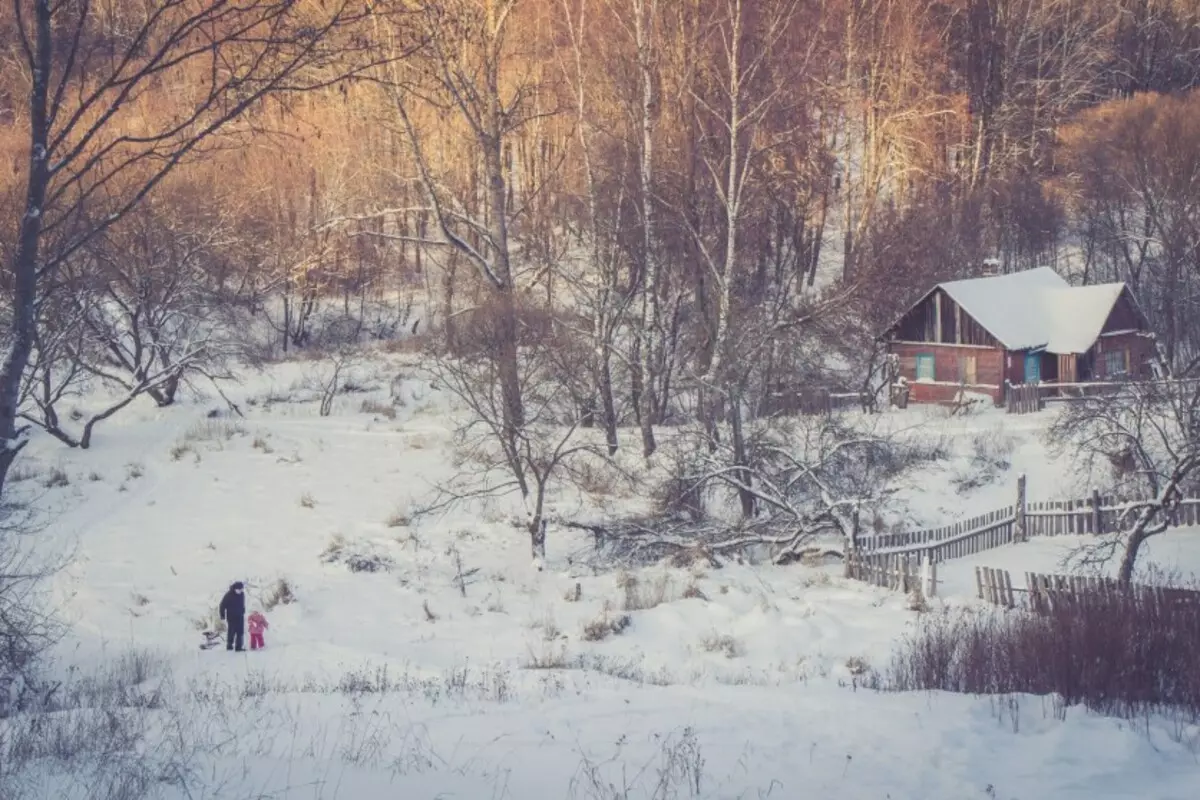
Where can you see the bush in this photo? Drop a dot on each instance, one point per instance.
(56, 478)
(605, 625)
(1104, 651)
(640, 596)
(278, 594)
(721, 643)
(991, 457)
(378, 409)
(356, 556)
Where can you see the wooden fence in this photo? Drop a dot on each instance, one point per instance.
(809, 402)
(902, 572)
(1017, 523)
(1025, 398)
(1045, 593)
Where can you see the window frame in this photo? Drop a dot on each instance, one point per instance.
(925, 358)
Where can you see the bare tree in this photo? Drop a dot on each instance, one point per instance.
(459, 67)
(1144, 441)
(96, 144)
(599, 285)
(549, 449)
(814, 479)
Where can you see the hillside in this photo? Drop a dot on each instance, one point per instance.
(738, 681)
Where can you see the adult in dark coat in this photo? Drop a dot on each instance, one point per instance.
(233, 611)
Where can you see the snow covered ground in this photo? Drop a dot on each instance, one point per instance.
(408, 682)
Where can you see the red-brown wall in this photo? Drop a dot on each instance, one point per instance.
(989, 370)
(1141, 351)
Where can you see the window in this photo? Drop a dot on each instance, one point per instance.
(967, 370)
(925, 370)
(1116, 363)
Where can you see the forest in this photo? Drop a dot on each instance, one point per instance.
(611, 213)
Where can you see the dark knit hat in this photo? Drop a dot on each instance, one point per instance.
(238, 585)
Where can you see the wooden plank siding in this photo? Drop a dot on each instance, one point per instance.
(952, 363)
(939, 320)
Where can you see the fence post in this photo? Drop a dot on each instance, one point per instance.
(848, 558)
(1097, 517)
(1020, 532)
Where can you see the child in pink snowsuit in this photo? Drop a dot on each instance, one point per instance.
(256, 623)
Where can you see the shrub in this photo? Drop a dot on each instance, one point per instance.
(641, 596)
(213, 429)
(56, 478)
(134, 470)
(23, 471)
(378, 409)
(307, 500)
(278, 594)
(548, 658)
(356, 556)
(606, 625)
(721, 643)
(991, 456)
(1104, 651)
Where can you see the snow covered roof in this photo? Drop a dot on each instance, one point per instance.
(1036, 309)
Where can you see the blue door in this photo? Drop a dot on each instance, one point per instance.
(1033, 367)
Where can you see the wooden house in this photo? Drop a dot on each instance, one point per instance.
(1023, 327)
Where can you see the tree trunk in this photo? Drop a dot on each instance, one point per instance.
(1129, 559)
(644, 12)
(25, 263)
(608, 403)
(741, 458)
(85, 441)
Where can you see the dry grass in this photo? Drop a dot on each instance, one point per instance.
(278, 594)
(378, 409)
(548, 626)
(398, 519)
(261, 443)
(692, 592)
(429, 615)
(56, 478)
(721, 643)
(548, 658)
(213, 429)
(642, 595)
(1107, 652)
(24, 471)
(606, 625)
(134, 470)
(307, 500)
(857, 666)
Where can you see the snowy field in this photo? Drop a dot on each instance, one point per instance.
(411, 682)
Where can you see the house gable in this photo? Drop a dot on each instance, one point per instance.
(938, 319)
(1124, 316)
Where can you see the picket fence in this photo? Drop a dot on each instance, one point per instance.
(901, 572)
(1045, 593)
(1020, 521)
